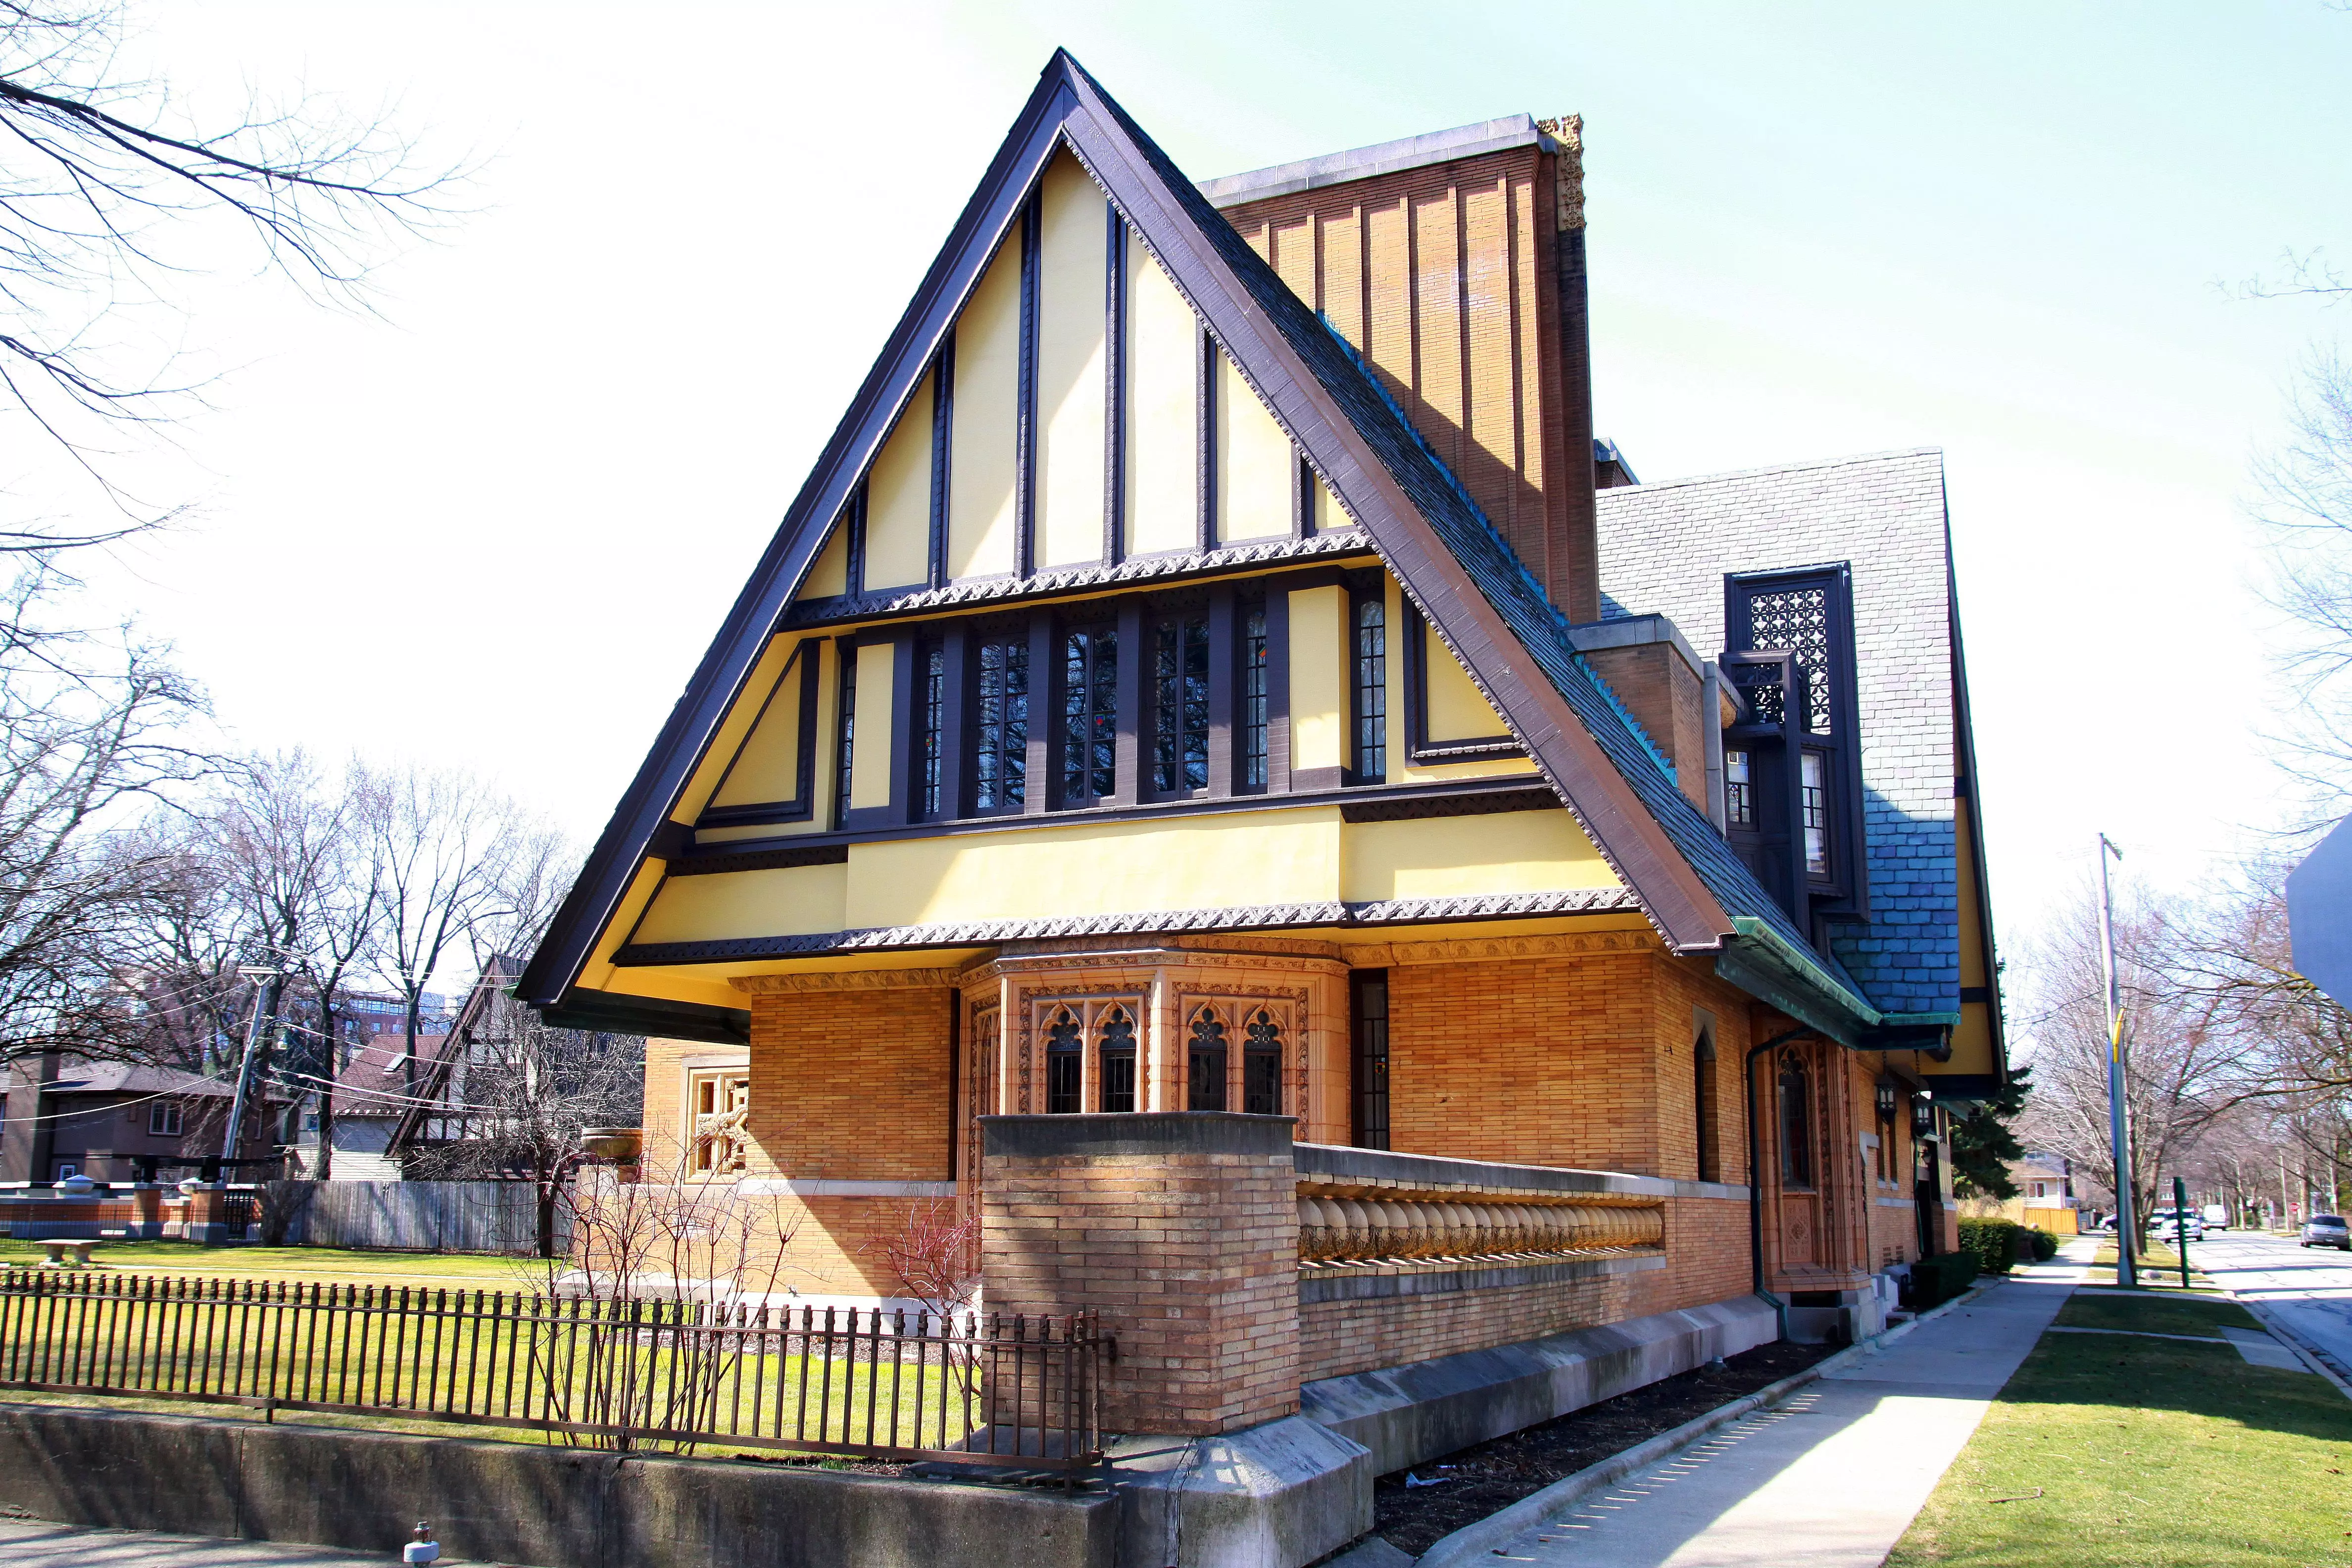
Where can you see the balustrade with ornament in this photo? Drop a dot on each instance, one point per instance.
(1341, 1227)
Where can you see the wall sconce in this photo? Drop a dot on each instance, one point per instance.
(1923, 1117)
(1886, 1097)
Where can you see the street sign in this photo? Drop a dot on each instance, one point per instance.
(2319, 914)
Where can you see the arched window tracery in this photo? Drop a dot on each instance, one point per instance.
(1065, 1065)
(1262, 1065)
(1204, 1066)
(1115, 1051)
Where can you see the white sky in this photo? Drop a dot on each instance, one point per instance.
(497, 527)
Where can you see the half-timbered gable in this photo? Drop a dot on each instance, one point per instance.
(1182, 700)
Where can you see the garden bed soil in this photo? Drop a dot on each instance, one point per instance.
(1489, 1476)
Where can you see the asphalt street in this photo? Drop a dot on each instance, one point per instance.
(2310, 1289)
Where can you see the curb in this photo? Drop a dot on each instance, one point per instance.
(2320, 1361)
(1482, 1537)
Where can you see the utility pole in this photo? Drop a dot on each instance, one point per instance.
(2126, 1267)
(266, 980)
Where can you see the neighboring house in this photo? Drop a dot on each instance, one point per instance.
(2047, 1198)
(374, 1094)
(1213, 668)
(100, 1120)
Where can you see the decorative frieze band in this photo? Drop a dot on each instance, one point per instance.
(845, 980)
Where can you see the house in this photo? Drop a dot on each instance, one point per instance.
(109, 1121)
(380, 1092)
(1222, 775)
(2047, 1198)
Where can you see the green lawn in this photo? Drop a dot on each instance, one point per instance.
(2147, 1453)
(339, 1265)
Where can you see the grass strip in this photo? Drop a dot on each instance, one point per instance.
(2148, 1453)
(489, 1270)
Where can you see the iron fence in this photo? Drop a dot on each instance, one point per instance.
(623, 1374)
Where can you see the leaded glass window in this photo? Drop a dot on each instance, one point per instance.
(1251, 765)
(1089, 714)
(846, 736)
(1815, 782)
(932, 748)
(1204, 1062)
(1118, 1056)
(1371, 1053)
(1371, 691)
(1181, 712)
(1795, 1124)
(1739, 789)
(1065, 1066)
(1262, 1065)
(1001, 727)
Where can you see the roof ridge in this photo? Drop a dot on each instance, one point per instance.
(1805, 466)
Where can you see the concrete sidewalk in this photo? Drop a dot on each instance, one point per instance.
(1834, 1476)
(32, 1543)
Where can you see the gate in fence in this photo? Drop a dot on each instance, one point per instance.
(622, 1373)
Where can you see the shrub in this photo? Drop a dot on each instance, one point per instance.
(1935, 1280)
(1991, 1242)
(2045, 1246)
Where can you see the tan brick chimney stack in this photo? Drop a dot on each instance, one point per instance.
(1454, 263)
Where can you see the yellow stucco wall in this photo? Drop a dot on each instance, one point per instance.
(870, 758)
(1162, 478)
(829, 574)
(987, 382)
(899, 500)
(766, 767)
(1318, 678)
(1110, 868)
(1509, 852)
(1071, 411)
(1456, 710)
(1254, 462)
(792, 901)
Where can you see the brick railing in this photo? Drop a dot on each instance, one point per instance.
(1366, 1206)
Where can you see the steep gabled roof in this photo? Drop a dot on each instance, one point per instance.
(1450, 560)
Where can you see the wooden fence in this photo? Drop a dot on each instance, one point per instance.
(418, 1216)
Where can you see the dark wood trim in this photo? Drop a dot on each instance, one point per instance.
(804, 657)
(1487, 801)
(1038, 785)
(1974, 993)
(1025, 417)
(1420, 749)
(855, 550)
(1302, 493)
(1127, 786)
(1156, 568)
(1353, 797)
(1205, 439)
(955, 719)
(1277, 689)
(845, 707)
(942, 454)
(955, 1082)
(716, 859)
(1114, 387)
(1224, 664)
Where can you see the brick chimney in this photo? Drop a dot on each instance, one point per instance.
(1455, 262)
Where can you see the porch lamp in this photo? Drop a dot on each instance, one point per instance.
(1886, 1098)
(1923, 1117)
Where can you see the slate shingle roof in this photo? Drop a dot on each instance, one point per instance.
(1665, 549)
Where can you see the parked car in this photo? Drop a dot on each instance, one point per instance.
(2166, 1225)
(2327, 1230)
(2217, 1216)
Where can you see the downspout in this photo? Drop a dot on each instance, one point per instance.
(1755, 1179)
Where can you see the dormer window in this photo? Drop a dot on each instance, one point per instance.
(1739, 789)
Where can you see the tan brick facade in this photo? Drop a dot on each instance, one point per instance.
(1188, 1250)
(1341, 1337)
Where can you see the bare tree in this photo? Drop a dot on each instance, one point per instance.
(2307, 514)
(113, 186)
(2178, 1064)
(524, 1094)
(445, 846)
(90, 731)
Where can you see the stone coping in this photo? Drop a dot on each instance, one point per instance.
(1150, 1132)
(1332, 1164)
(1347, 1282)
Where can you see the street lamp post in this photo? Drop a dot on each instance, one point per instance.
(2126, 1267)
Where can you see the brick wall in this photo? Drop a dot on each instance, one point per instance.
(851, 1085)
(1539, 1061)
(1663, 692)
(1339, 1337)
(1181, 1229)
(1706, 1257)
